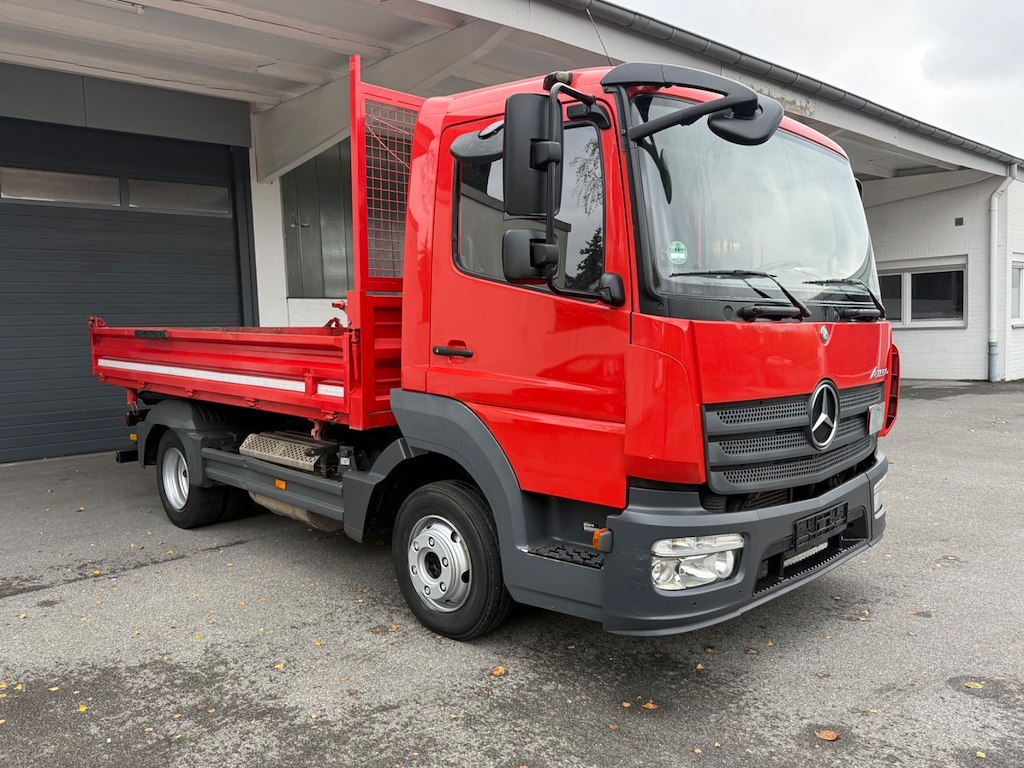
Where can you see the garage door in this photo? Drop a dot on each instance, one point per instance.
(141, 231)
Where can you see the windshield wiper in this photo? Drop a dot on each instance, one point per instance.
(744, 274)
(853, 281)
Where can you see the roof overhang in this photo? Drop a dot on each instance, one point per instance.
(290, 65)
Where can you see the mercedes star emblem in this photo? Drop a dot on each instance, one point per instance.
(824, 334)
(824, 413)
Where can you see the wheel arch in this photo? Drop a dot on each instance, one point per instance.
(196, 424)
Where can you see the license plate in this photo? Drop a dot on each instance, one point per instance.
(820, 525)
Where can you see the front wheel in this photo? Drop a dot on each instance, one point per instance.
(445, 549)
(186, 505)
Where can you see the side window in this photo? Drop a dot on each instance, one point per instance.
(579, 224)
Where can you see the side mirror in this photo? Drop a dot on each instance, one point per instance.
(532, 155)
(524, 255)
(611, 289)
(748, 129)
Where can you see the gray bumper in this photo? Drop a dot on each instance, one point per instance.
(631, 603)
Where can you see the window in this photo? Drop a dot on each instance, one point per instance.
(37, 186)
(317, 203)
(579, 224)
(1016, 292)
(926, 297)
(892, 296)
(183, 198)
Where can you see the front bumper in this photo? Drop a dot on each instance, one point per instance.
(631, 603)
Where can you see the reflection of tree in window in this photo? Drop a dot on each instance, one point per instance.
(587, 165)
(591, 267)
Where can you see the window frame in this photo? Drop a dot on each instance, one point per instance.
(906, 270)
(1016, 265)
(122, 206)
(567, 125)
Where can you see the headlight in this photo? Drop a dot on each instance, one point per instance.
(693, 561)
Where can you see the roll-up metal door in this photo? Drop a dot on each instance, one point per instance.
(138, 230)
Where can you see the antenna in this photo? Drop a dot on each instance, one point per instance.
(598, 32)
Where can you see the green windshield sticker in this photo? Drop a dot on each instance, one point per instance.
(677, 252)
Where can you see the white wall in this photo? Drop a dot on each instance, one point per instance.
(918, 229)
(1014, 348)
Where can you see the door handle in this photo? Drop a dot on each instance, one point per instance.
(453, 351)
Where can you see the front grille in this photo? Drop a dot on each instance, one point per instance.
(761, 413)
(794, 471)
(789, 439)
(765, 445)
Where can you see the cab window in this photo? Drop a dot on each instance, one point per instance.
(579, 223)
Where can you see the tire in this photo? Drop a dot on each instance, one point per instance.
(186, 505)
(445, 550)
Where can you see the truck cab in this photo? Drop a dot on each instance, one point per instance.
(640, 370)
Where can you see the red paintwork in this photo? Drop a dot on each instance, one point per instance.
(580, 396)
(310, 355)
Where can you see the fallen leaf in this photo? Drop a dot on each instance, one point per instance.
(698, 751)
(22, 615)
(136, 633)
(377, 630)
(2, 685)
(279, 665)
(973, 685)
(498, 671)
(570, 647)
(770, 644)
(241, 602)
(147, 729)
(54, 689)
(393, 628)
(649, 704)
(201, 707)
(612, 727)
(199, 635)
(751, 651)
(80, 509)
(709, 649)
(2, 722)
(19, 687)
(312, 715)
(176, 716)
(82, 708)
(626, 705)
(97, 572)
(827, 735)
(717, 745)
(353, 691)
(3, 695)
(318, 642)
(700, 667)
(979, 754)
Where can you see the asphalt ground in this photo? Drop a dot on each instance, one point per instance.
(127, 642)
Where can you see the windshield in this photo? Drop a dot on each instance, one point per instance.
(788, 207)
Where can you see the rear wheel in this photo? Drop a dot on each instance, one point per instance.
(445, 549)
(186, 505)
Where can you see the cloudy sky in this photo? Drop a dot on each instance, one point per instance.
(956, 64)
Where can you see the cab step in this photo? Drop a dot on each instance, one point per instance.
(568, 554)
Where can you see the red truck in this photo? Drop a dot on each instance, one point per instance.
(614, 349)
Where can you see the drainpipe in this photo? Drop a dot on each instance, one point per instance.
(994, 272)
